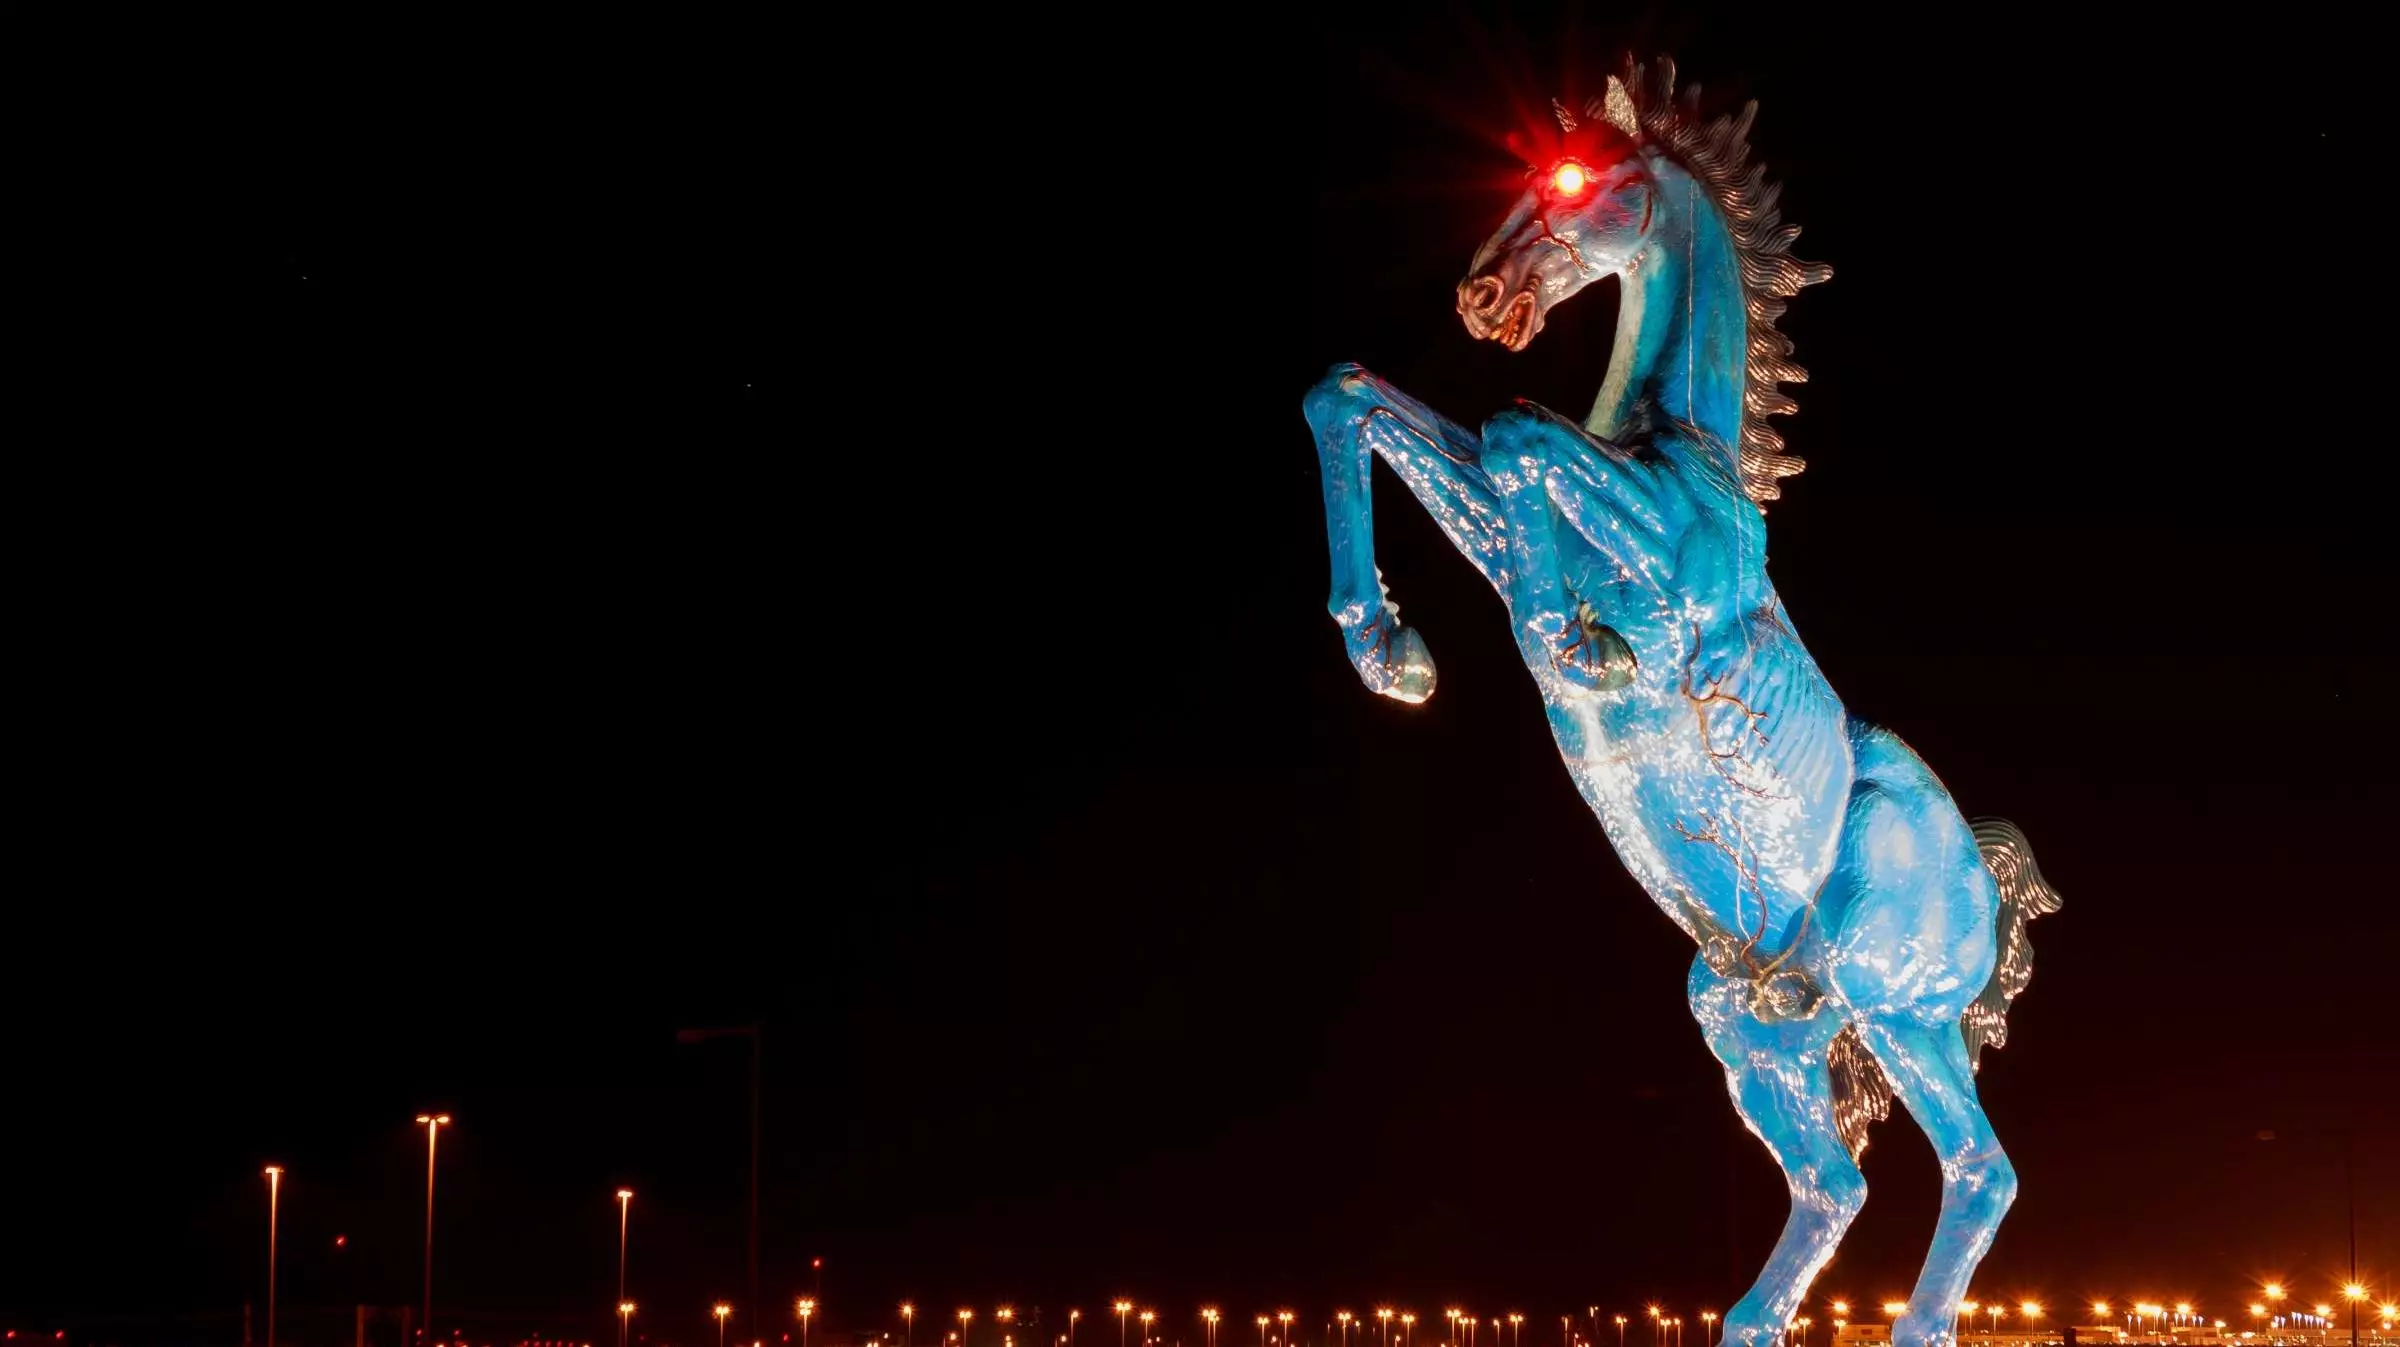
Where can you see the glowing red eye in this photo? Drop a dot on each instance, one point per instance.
(1569, 179)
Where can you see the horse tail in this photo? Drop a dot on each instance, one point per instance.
(2024, 895)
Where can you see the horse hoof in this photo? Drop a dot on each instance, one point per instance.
(1409, 671)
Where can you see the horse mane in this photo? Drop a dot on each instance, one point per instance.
(1717, 155)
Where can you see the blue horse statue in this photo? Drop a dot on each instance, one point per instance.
(1859, 939)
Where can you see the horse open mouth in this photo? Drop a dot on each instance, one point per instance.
(1518, 323)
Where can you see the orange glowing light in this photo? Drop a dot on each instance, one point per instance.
(1569, 179)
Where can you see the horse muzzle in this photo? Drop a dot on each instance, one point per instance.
(1492, 314)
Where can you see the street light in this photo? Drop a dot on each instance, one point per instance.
(1262, 1331)
(1284, 1317)
(624, 1317)
(908, 1324)
(1385, 1317)
(1146, 1317)
(965, 1317)
(433, 1123)
(723, 1312)
(1208, 1318)
(1516, 1330)
(1124, 1307)
(1342, 1317)
(624, 1222)
(274, 1197)
(806, 1307)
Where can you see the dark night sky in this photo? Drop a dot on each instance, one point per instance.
(683, 526)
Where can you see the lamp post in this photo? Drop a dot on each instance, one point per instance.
(624, 1222)
(433, 1123)
(1147, 1317)
(806, 1307)
(965, 1317)
(274, 1198)
(723, 1312)
(1123, 1307)
(1341, 1317)
(1074, 1317)
(1262, 1331)
(908, 1324)
(1516, 1330)
(2352, 1291)
(1208, 1326)
(624, 1318)
(1708, 1328)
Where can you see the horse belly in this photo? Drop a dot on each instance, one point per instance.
(1725, 810)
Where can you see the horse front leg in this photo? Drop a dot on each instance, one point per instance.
(1358, 417)
(1522, 452)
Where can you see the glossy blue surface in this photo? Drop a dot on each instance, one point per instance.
(1859, 940)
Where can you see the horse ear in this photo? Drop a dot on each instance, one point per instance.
(1566, 119)
(1617, 108)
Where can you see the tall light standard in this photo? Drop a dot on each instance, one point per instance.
(1284, 1317)
(2352, 1291)
(433, 1123)
(1384, 1316)
(624, 1318)
(1147, 1317)
(1074, 1317)
(806, 1307)
(1708, 1328)
(1208, 1326)
(908, 1324)
(1516, 1330)
(1123, 1307)
(1620, 1330)
(965, 1317)
(1341, 1317)
(1262, 1331)
(624, 1222)
(274, 1196)
(723, 1312)
(1408, 1330)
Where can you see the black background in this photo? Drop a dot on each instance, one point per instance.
(808, 521)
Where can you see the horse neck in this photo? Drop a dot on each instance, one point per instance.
(1682, 326)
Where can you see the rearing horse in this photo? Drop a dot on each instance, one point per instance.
(1858, 938)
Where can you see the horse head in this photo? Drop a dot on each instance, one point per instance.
(1586, 213)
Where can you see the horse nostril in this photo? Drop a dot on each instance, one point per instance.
(1479, 295)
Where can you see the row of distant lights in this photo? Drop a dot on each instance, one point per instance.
(806, 1307)
(2030, 1309)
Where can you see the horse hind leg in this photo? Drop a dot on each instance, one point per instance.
(1782, 1084)
(1930, 1073)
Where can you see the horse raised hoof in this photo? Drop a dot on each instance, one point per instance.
(1392, 660)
